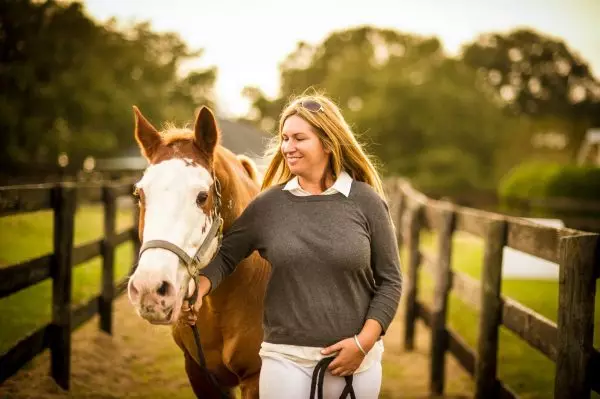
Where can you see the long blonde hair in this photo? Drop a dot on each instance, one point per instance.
(335, 134)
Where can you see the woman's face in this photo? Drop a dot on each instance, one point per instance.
(302, 149)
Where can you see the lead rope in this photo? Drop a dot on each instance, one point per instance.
(318, 378)
(213, 380)
(192, 300)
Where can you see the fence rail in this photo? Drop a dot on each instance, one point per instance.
(568, 343)
(62, 200)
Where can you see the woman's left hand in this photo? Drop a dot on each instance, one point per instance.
(347, 360)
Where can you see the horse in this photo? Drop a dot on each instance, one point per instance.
(190, 175)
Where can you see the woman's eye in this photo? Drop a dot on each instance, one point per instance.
(201, 198)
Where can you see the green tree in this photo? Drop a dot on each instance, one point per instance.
(424, 115)
(68, 83)
(538, 76)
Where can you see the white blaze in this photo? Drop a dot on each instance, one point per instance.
(172, 214)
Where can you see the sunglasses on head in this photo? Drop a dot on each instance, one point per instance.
(312, 106)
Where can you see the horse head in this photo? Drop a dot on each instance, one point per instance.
(179, 209)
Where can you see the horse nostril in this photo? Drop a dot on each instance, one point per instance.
(163, 289)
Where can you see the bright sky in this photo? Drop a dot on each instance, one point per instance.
(246, 39)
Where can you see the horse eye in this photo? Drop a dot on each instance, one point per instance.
(201, 198)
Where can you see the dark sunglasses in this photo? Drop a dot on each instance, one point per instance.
(312, 106)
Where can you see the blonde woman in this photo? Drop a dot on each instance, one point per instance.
(323, 224)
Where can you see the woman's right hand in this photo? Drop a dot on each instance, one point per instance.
(190, 314)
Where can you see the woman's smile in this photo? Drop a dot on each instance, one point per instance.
(293, 160)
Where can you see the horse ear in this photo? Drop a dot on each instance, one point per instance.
(206, 132)
(146, 135)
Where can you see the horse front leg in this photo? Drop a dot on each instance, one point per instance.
(202, 384)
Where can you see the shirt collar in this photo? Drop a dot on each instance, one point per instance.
(342, 184)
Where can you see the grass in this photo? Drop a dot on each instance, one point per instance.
(138, 360)
(526, 371)
(29, 235)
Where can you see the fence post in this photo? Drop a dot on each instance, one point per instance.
(135, 239)
(108, 258)
(490, 315)
(414, 229)
(400, 211)
(439, 337)
(577, 289)
(60, 336)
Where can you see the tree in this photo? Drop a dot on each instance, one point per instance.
(68, 83)
(539, 76)
(424, 115)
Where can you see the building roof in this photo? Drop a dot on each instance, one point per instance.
(238, 137)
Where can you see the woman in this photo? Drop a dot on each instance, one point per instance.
(323, 224)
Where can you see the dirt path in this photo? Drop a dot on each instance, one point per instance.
(142, 361)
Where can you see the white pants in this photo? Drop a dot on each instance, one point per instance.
(282, 378)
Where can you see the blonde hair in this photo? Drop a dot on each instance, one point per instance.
(335, 134)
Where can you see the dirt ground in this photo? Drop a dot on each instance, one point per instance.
(142, 361)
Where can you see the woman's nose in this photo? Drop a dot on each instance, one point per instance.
(288, 147)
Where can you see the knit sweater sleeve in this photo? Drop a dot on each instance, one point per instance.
(239, 241)
(385, 262)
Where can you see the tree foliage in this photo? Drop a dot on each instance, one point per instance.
(439, 120)
(539, 76)
(68, 83)
(420, 112)
(535, 74)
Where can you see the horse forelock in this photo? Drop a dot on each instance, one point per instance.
(179, 143)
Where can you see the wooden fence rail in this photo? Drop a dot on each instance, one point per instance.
(62, 200)
(568, 342)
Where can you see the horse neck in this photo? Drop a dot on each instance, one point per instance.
(236, 191)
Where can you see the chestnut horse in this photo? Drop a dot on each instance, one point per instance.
(177, 198)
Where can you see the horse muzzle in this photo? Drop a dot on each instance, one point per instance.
(155, 302)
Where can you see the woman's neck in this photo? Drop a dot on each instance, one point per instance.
(316, 185)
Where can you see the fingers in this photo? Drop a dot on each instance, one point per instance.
(342, 372)
(188, 315)
(342, 365)
(191, 319)
(196, 307)
(333, 348)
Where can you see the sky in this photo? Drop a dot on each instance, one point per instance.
(247, 39)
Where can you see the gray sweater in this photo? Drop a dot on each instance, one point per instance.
(334, 262)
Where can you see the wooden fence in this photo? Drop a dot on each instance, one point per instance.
(568, 343)
(575, 213)
(62, 199)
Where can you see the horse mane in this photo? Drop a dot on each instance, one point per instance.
(249, 167)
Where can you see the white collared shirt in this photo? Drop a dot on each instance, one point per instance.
(305, 355)
(341, 185)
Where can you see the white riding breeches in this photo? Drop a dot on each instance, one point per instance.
(283, 378)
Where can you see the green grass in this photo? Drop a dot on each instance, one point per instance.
(27, 236)
(525, 370)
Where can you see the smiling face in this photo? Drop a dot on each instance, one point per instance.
(303, 150)
(176, 206)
